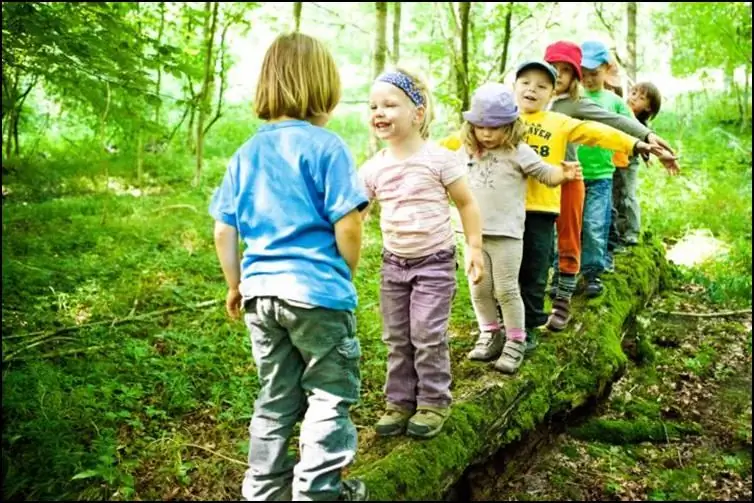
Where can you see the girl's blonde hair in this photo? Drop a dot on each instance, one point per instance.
(299, 79)
(513, 134)
(423, 88)
(574, 89)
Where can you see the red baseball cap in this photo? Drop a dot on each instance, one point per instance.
(565, 52)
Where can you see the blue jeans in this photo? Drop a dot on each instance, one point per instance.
(596, 229)
(307, 359)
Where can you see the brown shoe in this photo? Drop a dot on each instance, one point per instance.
(560, 316)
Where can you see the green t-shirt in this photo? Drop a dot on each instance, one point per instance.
(597, 162)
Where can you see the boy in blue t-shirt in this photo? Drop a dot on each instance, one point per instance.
(292, 195)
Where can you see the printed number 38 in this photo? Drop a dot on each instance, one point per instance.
(541, 150)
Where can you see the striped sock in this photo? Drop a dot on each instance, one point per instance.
(566, 286)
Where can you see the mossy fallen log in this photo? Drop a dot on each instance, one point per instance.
(492, 411)
(623, 431)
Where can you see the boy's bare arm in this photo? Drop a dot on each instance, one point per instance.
(348, 232)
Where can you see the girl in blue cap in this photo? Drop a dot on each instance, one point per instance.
(499, 161)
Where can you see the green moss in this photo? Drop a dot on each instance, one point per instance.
(492, 410)
(621, 432)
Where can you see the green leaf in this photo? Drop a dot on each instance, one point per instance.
(87, 474)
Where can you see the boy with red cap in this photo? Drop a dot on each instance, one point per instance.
(566, 57)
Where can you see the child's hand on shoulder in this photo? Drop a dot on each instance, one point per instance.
(572, 170)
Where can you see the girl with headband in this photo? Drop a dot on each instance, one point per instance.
(413, 179)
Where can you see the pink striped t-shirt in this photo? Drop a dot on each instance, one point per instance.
(414, 203)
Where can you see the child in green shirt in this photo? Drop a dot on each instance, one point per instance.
(598, 168)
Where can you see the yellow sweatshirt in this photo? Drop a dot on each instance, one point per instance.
(549, 135)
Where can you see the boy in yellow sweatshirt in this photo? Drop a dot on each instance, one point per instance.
(549, 134)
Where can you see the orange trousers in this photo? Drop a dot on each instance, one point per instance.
(569, 225)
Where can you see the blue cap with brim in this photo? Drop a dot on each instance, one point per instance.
(594, 54)
(540, 65)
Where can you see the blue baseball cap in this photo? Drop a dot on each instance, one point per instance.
(541, 65)
(594, 54)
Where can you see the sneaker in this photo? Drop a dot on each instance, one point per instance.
(488, 346)
(513, 355)
(353, 490)
(560, 316)
(394, 421)
(594, 287)
(428, 421)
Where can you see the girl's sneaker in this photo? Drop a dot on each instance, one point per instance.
(393, 421)
(488, 346)
(428, 421)
(513, 355)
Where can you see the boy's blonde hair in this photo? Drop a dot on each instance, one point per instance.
(299, 79)
(513, 134)
(421, 85)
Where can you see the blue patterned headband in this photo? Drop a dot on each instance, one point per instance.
(405, 84)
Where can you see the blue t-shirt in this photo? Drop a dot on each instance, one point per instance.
(283, 191)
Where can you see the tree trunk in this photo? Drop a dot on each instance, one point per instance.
(506, 40)
(102, 131)
(631, 43)
(158, 86)
(139, 157)
(380, 53)
(380, 39)
(210, 25)
(465, 11)
(297, 7)
(223, 77)
(396, 32)
(747, 108)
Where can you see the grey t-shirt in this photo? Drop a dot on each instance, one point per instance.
(498, 182)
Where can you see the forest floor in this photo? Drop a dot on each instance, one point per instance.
(677, 426)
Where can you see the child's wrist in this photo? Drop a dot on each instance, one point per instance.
(474, 241)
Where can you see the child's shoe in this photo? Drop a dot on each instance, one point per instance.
(552, 291)
(594, 287)
(353, 490)
(428, 421)
(488, 346)
(513, 355)
(394, 421)
(532, 340)
(560, 316)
